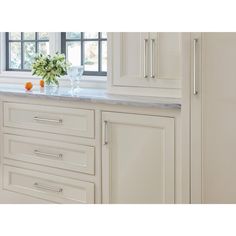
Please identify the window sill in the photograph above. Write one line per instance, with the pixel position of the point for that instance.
(10, 77)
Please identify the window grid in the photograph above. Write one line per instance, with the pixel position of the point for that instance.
(21, 41)
(82, 41)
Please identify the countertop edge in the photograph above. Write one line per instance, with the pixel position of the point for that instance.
(130, 100)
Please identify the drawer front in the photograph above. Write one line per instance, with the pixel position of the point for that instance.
(67, 121)
(49, 187)
(51, 153)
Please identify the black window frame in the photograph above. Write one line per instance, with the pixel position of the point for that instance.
(82, 39)
(21, 41)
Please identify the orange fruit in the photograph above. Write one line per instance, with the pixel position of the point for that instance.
(41, 83)
(28, 86)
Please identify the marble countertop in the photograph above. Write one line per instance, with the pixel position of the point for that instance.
(90, 95)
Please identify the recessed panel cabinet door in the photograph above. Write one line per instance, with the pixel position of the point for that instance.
(138, 158)
(165, 56)
(130, 59)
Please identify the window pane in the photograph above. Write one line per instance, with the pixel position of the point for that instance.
(73, 35)
(14, 35)
(22, 52)
(90, 35)
(73, 52)
(43, 47)
(29, 36)
(104, 56)
(43, 36)
(87, 48)
(104, 35)
(29, 54)
(91, 56)
(15, 55)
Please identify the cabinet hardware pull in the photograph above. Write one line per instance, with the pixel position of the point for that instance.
(195, 92)
(58, 156)
(152, 58)
(49, 188)
(105, 132)
(48, 120)
(145, 59)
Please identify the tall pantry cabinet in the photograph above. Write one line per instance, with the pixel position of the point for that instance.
(213, 115)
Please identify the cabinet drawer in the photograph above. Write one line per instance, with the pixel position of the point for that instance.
(49, 187)
(51, 153)
(68, 121)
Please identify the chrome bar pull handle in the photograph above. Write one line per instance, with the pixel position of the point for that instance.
(195, 92)
(105, 132)
(49, 188)
(59, 121)
(153, 58)
(38, 153)
(145, 75)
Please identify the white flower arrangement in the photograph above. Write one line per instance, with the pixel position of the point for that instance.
(50, 68)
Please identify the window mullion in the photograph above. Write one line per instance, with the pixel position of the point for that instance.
(63, 42)
(36, 42)
(22, 51)
(99, 52)
(7, 51)
(82, 48)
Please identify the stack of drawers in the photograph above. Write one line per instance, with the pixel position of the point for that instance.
(42, 151)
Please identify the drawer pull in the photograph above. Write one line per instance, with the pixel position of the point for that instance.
(195, 41)
(49, 188)
(48, 120)
(58, 156)
(145, 59)
(152, 58)
(105, 132)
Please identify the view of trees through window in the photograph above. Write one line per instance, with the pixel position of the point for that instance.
(81, 48)
(88, 49)
(21, 49)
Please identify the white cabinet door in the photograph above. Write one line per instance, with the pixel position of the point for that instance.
(138, 158)
(213, 120)
(130, 59)
(165, 56)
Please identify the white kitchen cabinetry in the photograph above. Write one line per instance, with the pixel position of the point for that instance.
(49, 153)
(145, 63)
(138, 158)
(114, 154)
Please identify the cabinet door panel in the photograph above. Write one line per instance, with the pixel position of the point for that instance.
(169, 60)
(138, 160)
(128, 61)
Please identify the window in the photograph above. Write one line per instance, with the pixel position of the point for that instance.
(22, 47)
(88, 49)
(81, 48)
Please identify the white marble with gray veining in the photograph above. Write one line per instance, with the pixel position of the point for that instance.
(90, 95)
